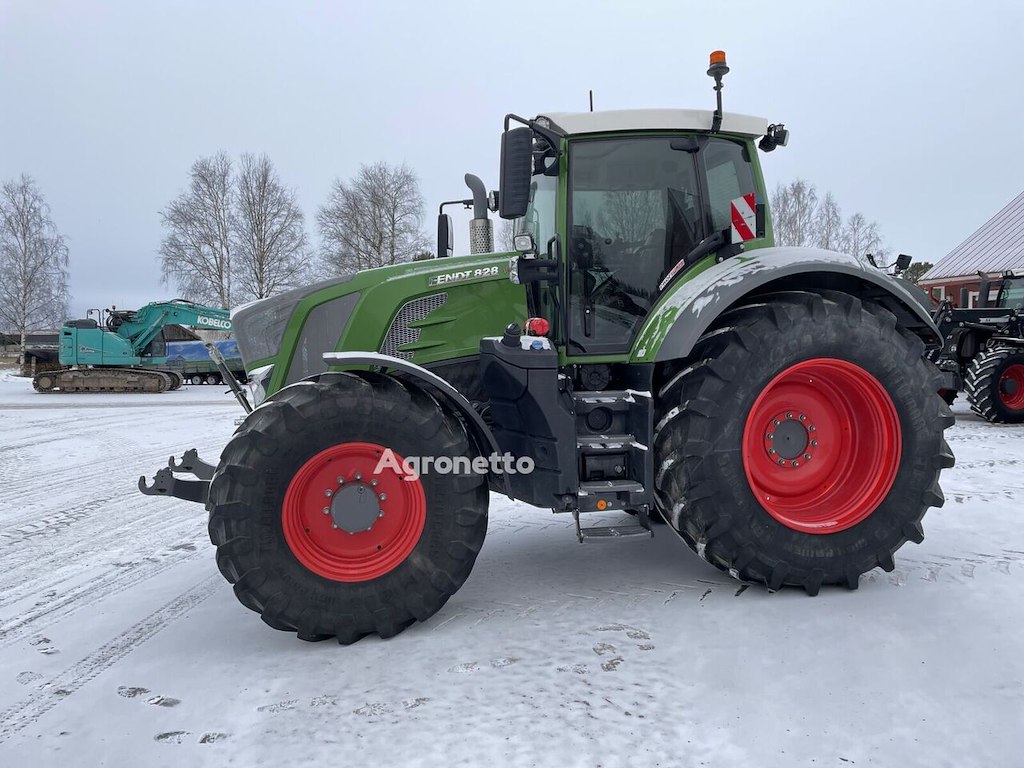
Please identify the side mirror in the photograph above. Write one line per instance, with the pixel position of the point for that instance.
(516, 171)
(445, 235)
(903, 262)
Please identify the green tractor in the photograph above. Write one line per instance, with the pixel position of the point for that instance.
(647, 350)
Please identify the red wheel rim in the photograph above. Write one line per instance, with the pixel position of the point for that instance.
(1011, 386)
(839, 416)
(336, 552)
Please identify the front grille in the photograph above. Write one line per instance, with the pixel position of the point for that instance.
(400, 333)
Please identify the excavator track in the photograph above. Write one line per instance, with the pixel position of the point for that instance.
(105, 380)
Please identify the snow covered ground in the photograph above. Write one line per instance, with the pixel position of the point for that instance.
(121, 645)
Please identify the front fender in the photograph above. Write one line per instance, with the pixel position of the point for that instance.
(477, 426)
(691, 306)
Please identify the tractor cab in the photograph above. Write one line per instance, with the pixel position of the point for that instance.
(612, 207)
(1011, 292)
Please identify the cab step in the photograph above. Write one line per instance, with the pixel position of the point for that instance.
(598, 533)
(642, 527)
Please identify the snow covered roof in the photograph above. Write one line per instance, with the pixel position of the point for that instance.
(997, 246)
(654, 119)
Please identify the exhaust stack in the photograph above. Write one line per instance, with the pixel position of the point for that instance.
(481, 228)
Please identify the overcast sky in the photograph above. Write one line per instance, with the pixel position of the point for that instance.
(907, 111)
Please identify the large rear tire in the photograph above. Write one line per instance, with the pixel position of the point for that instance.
(994, 384)
(389, 549)
(805, 443)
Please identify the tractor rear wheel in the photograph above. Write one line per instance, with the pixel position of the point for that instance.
(805, 444)
(321, 537)
(995, 384)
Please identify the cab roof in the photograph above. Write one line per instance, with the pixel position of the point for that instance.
(609, 121)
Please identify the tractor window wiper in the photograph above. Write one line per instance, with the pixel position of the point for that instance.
(709, 244)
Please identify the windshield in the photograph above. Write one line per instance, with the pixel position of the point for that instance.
(1012, 294)
(539, 220)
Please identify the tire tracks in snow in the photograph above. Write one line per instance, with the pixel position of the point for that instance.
(28, 711)
(50, 610)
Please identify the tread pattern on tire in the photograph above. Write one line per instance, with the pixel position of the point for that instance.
(252, 554)
(981, 384)
(723, 522)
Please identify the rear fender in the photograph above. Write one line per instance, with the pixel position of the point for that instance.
(692, 306)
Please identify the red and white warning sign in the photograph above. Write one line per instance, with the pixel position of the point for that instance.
(744, 220)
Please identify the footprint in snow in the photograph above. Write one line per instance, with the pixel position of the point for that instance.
(612, 664)
(604, 648)
(179, 737)
(43, 645)
(132, 692)
(473, 666)
(631, 632)
(280, 706)
(172, 737)
(27, 678)
(380, 708)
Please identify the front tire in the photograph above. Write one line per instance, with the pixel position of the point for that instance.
(388, 551)
(804, 445)
(995, 385)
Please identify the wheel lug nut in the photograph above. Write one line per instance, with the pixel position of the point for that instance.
(810, 428)
(802, 417)
(328, 493)
(796, 463)
(782, 461)
(770, 436)
(776, 422)
(380, 514)
(814, 442)
(359, 475)
(327, 510)
(334, 525)
(383, 497)
(341, 481)
(807, 457)
(789, 415)
(373, 482)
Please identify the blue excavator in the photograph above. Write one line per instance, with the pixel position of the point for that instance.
(128, 352)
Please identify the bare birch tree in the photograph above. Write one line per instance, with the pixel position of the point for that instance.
(794, 208)
(861, 237)
(373, 220)
(828, 225)
(506, 236)
(630, 215)
(33, 262)
(196, 249)
(800, 218)
(270, 250)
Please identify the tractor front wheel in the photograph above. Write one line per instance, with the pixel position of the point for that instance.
(319, 521)
(805, 444)
(995, 384)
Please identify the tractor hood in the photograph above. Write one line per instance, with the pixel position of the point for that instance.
(426, 312)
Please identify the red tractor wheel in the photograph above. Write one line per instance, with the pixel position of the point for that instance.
(319, 522)
(994, 384)
(804, 445)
